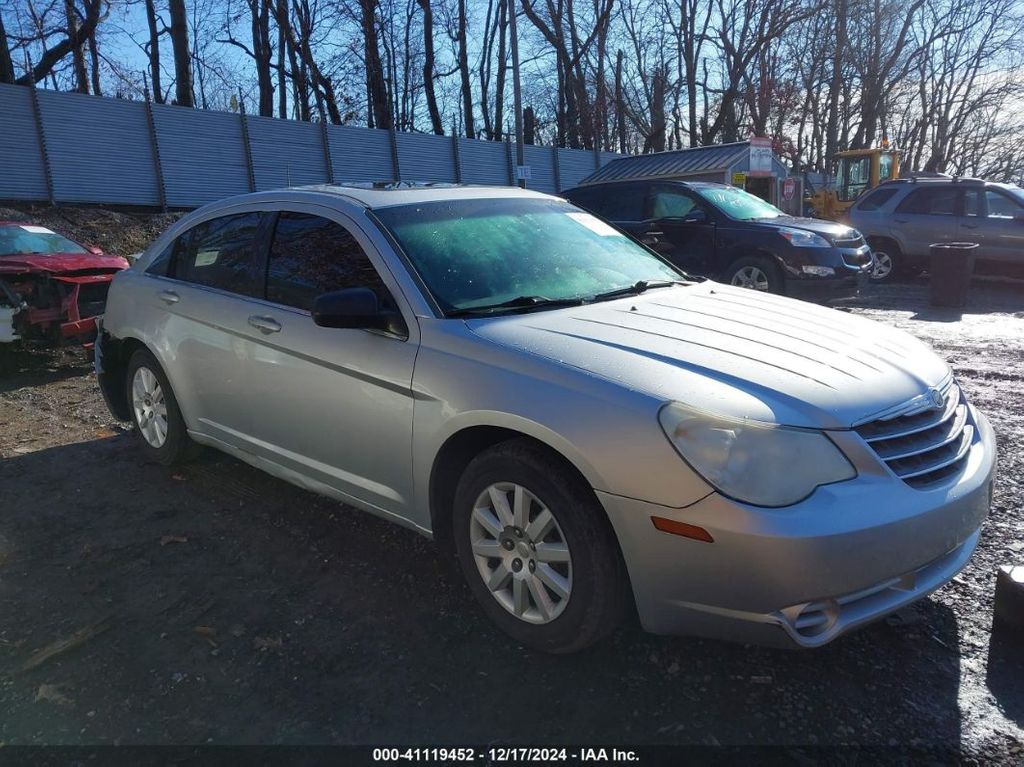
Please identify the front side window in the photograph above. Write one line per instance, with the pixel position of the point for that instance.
(25, 239)
(937, 201)
(1002, 206)
(876, 199)
(220, 253)
(668, 203)
(472, 253)
(738, 204)
(311, 255)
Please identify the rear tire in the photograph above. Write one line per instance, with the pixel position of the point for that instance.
(756, 273)
(544, 562)
(155, 412)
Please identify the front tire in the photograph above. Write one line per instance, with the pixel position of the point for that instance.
(155, 412)
(755, 273)
(886, 261)
(537, 550)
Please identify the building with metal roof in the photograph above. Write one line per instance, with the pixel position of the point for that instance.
(750, 165)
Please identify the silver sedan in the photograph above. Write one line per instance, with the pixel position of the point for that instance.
(586, 428)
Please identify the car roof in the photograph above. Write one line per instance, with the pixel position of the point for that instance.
(649, 181)
(389, 194)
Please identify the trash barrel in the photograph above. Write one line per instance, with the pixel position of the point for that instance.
(952, 264)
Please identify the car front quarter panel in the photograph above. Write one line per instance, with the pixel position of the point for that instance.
(610, 434)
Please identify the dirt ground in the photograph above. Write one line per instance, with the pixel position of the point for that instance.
(215, 604)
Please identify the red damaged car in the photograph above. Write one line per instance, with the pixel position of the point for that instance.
(51, 288)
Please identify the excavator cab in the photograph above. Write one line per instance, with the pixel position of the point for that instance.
(856, 171)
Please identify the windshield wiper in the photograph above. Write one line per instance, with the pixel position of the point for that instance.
(637, 288)
(520, 303)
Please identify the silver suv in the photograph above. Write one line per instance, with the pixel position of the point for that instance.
(901, 220)
(582, 425)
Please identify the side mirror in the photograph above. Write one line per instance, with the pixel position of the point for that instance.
(355, 308)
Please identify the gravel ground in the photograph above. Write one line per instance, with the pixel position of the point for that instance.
(215, 604)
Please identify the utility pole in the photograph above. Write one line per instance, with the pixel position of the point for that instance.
(517, 96)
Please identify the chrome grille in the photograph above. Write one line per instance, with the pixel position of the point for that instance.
(924, 446)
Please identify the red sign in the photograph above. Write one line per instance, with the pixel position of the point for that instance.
(788, 188)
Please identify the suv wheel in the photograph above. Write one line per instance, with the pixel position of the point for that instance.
(155, 411)
(537, 550)
(885, 260)
(756, 273)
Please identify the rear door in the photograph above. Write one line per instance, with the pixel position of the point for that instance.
(926, 216)
(209, 277)
(335, 405)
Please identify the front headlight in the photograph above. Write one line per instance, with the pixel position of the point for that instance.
(753, 462)
(801, 238)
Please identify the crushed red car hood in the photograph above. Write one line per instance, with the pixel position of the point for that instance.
(59, 263)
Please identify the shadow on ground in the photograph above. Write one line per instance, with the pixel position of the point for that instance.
(241, 609)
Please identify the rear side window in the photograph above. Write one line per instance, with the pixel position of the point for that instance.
(623, 203)
(1001, 206)
(937, 201)
(876, 199)
(220, 253)
(311, 255)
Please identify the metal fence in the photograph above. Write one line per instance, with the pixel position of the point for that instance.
(73, 148)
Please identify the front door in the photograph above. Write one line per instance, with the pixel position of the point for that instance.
(685, 231)
(927, 216)
(335, 404)
(994, 220)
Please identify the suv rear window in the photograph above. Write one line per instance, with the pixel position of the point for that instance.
(876, 199)
(936, 201)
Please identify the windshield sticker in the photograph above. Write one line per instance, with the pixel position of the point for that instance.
(594, 224)
(37, 229)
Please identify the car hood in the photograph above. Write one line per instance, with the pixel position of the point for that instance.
(734, 352)
(59, 263)
(831, 229)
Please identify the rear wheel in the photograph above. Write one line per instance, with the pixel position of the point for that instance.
(537, 550)
(155, 411)
(755, 273)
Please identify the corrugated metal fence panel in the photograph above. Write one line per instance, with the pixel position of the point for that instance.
(542, 168)
(426, 157)
(100, 149)
(286, 153)
(574, 165)
(202, 155)
(483, 162)
(22, 173)
(360, 154)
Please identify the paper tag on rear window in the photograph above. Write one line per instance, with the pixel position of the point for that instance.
(37, 229)
(596, 225)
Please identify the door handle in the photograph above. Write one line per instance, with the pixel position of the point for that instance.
(169, 297)
(266, 325)
(650, 238)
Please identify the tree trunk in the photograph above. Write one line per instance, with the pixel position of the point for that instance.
(620, 103)
(428, 67)
(464, 74)
(78, 52)
(529, 126)
(182, 58)
(94, 55)
(6, 64)
(154, 53)
(282, 33)
(376, 87)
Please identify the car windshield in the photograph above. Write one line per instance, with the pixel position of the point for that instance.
(530, 252)
(738, 204)
(24, 239)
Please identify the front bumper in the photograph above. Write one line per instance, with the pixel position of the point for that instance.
(803, 575)
(852, 271)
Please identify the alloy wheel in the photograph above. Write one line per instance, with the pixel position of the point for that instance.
(752, 277)
(150, 407)
(882, 266)
(521, 553)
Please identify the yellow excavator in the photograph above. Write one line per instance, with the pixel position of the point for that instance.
(856, 171)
